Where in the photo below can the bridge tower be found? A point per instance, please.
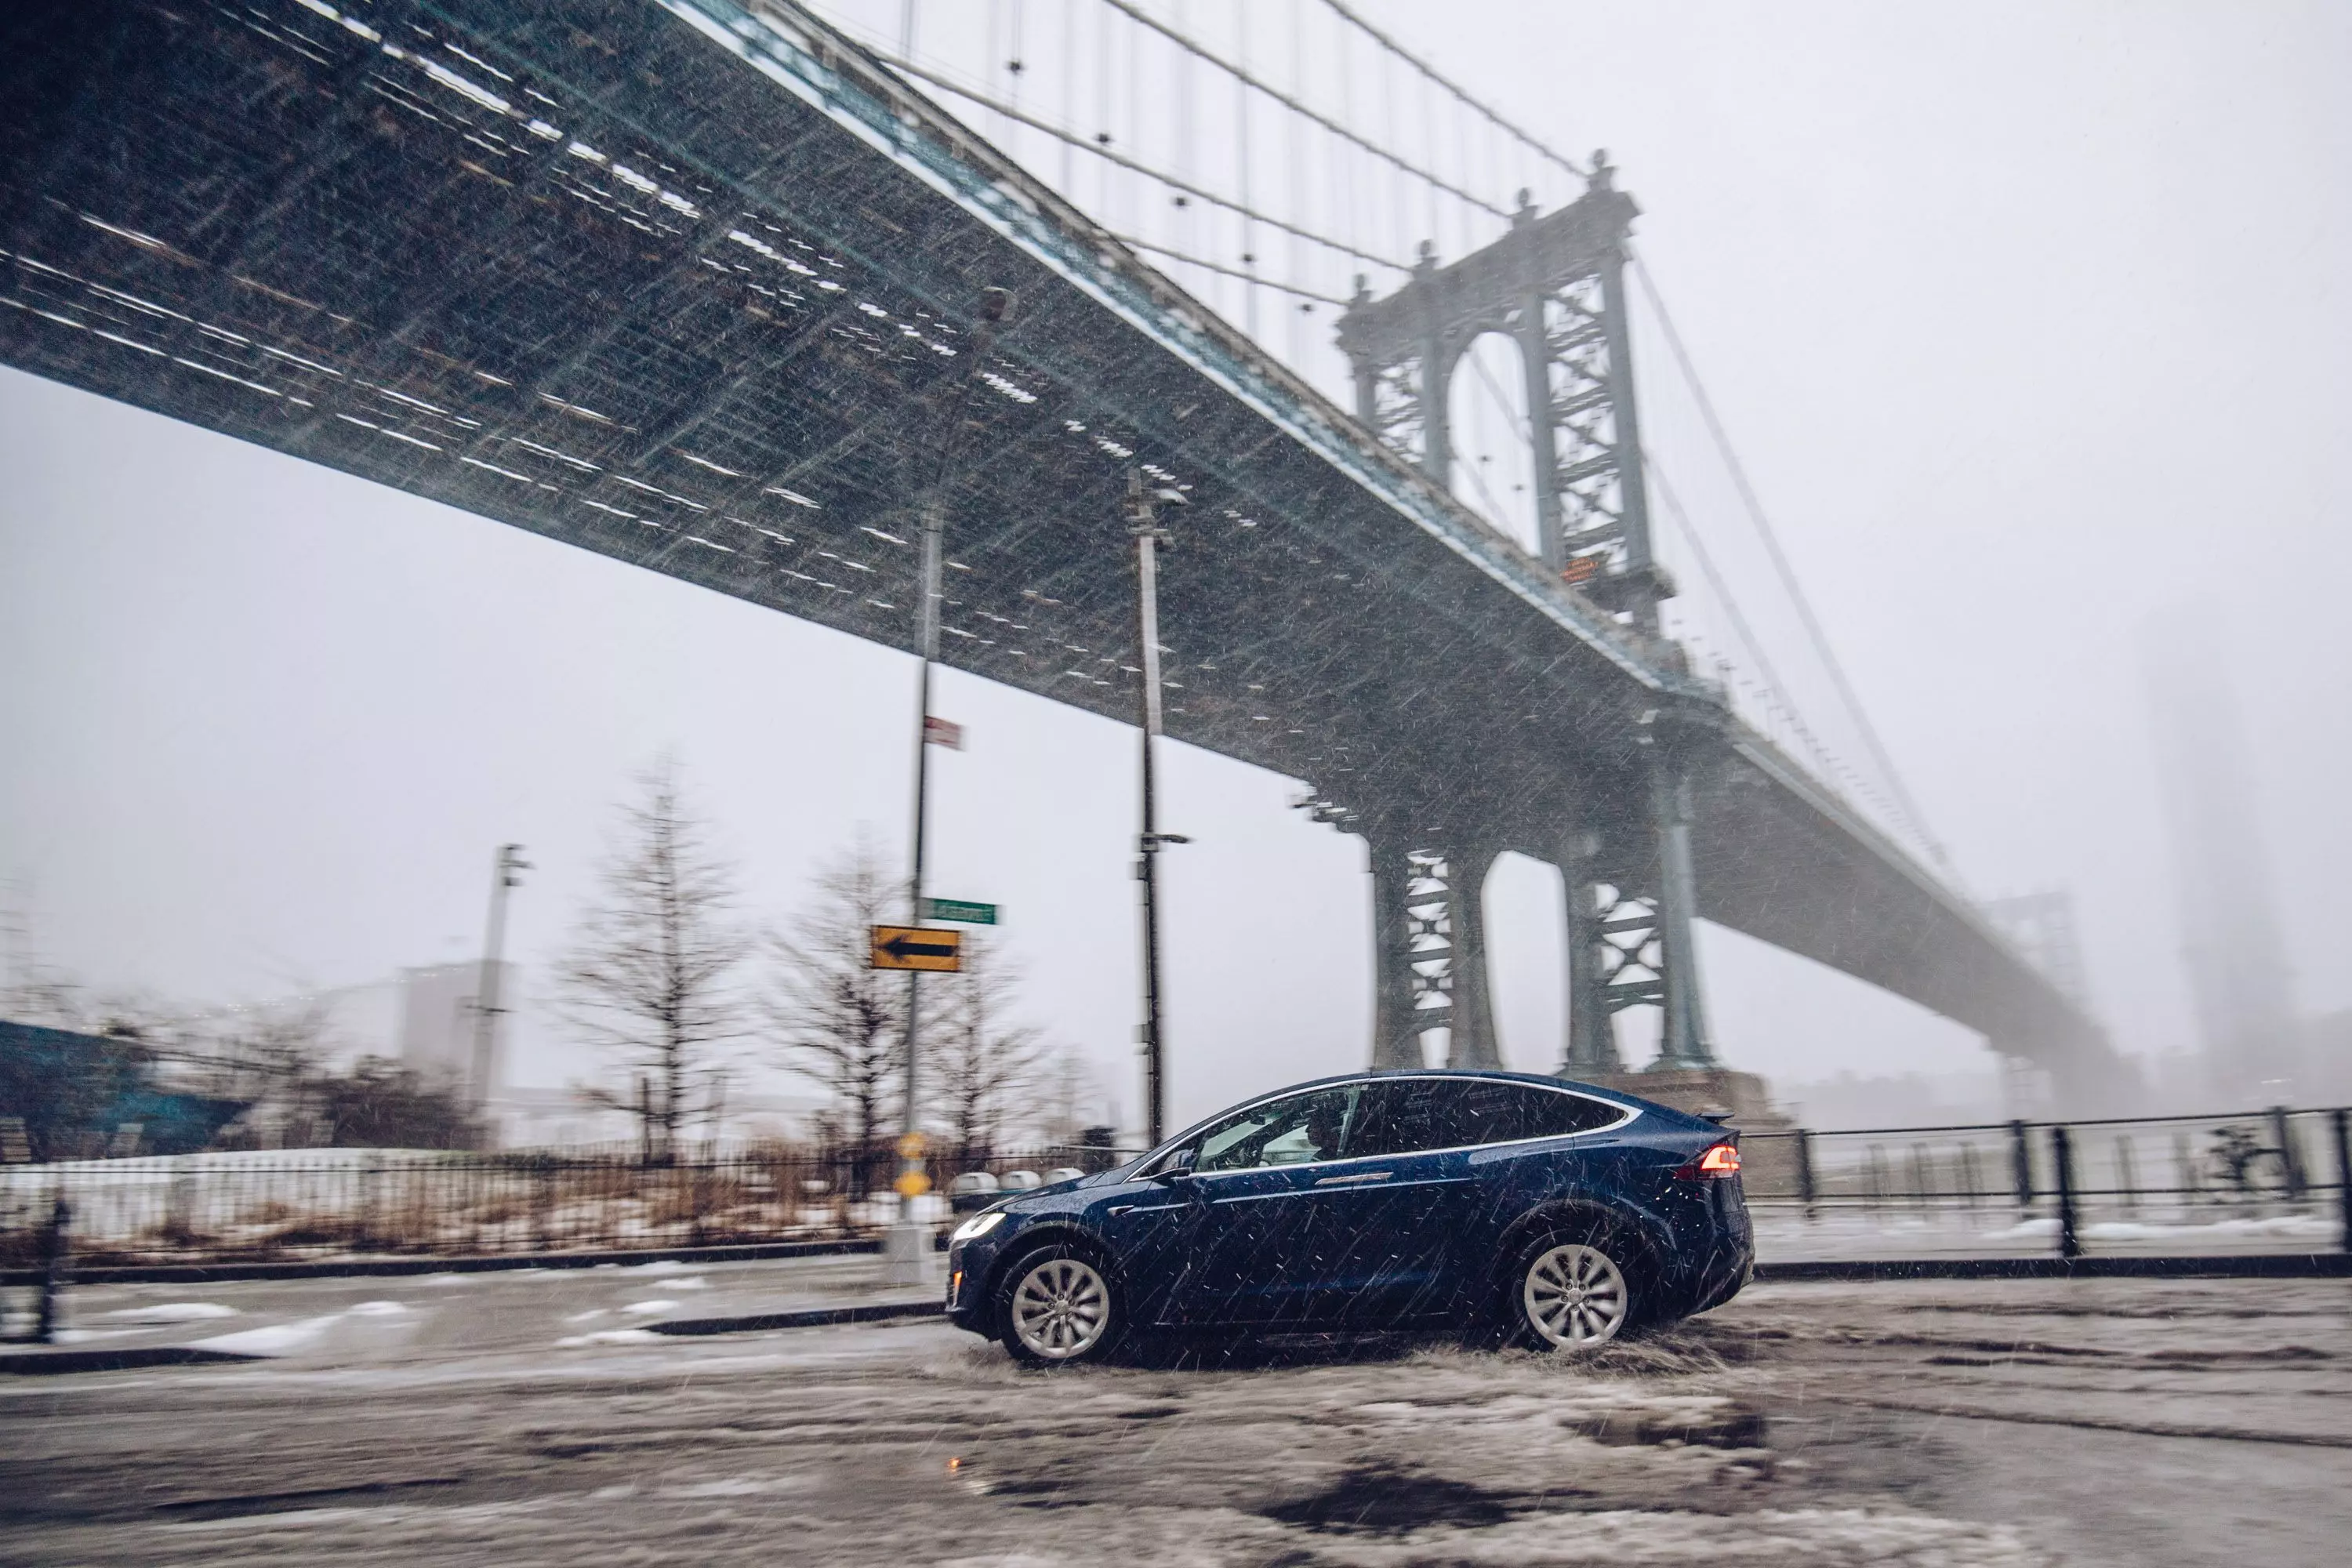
(2240, 983)
(1554, 285)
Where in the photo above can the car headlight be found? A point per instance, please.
(978, 1226)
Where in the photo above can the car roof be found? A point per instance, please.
(1624, 1097)
(1542, 1080)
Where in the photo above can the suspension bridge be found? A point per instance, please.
(735, 292)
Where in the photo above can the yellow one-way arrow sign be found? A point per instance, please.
(918, 947)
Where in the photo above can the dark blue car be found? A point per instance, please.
(1563, 1213)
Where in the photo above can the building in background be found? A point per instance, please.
(2239, 981)
(439, 1019)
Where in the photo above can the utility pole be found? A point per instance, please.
(908, 1259)
(1148, 536)
(506, 872)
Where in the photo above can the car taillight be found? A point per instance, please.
(1716, 1160)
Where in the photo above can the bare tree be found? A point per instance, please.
(978, 1062)
(272, 1053)
(267, 1059)
(1066, 1090)
(841, 1021)
(651, 974)
(34, 990)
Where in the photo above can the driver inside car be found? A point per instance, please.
(1317, 1137)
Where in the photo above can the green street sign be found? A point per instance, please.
(958, 910)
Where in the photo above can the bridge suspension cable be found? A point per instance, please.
(1785, 571)
(1776, 692)
(1371, 203)
(1173, 181)
(1240, 74)
(1219, 268)
(1460, 94)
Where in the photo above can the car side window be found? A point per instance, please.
(1398, 1116)
(1407, 1115)
(1292, 1130)
(1484, 1111)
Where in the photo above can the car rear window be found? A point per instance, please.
(1404, 1115)
(1554, 1114)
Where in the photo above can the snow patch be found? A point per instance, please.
(733, 1486)
(2314, 1228)
(641, 1308)
(171, 1312)
(609, 1337)
(278, 1339)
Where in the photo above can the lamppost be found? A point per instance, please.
(506, 872)
(1143, 526)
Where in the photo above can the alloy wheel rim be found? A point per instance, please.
(1061, 1309)
(1576, 1297)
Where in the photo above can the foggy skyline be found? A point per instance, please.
(2027, 325)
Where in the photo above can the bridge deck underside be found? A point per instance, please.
(569, 265)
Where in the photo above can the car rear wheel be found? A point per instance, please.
(1574, 1293)
(1056, 1308)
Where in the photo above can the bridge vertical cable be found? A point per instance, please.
(1186, 190)
(1462, 95)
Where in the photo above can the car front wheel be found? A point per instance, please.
(1574, 1293)
(1056, 1308)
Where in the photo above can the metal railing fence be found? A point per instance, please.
(329, 1203)
(2272, 1180)
(2268, 1181)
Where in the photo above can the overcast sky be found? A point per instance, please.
(2029, 320)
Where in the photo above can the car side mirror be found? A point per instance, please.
(1177, 1167)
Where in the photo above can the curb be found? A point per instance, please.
(2253, 1265)
(38, 1364)
(813, 1318)
(356, 1267)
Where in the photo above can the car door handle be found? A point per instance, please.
(1366, 1176)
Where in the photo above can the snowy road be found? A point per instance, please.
(494, 1419)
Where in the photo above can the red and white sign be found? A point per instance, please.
(939, 731)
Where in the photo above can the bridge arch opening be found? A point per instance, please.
(1492, 468)
(1527, 944)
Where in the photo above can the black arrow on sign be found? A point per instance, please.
(900, 947)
